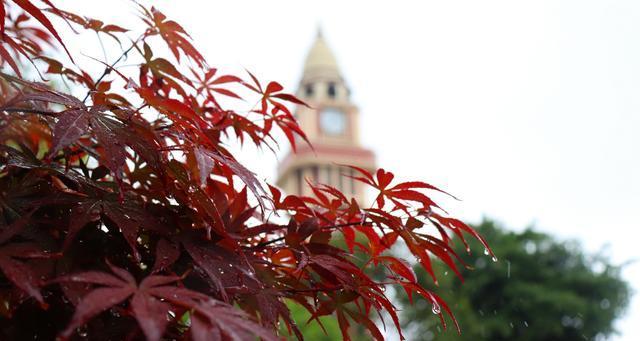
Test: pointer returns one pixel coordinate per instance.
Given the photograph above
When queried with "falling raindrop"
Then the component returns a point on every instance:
(530, 247)
(508, 269)
(526, 324)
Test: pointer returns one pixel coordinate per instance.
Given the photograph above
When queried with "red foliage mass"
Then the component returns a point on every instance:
(123, 215)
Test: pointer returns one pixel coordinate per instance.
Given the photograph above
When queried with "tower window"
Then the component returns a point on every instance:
(308, 90)
(331, 90)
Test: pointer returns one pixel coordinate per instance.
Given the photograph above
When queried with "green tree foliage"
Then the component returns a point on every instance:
(540, 289)
(330, 330)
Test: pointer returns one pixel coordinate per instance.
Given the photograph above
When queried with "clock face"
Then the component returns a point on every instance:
(333, 121)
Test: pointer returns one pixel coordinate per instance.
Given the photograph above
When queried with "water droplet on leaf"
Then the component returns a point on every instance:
(435, 308)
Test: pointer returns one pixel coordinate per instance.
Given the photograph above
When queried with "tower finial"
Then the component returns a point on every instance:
(319, 33)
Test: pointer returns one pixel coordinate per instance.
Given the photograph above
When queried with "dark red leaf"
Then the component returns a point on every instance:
(151, 315)
(94, 303)
(205, 164)
(219, 321)
(15, 227)
(419, 184)
(146, 304)
(3, 14)
(38, 15)
(174, 35)
(81, 215)
(227, 79)
(399, 266)
(166, 254)
(7, 57)
(20, 275)
(71, 125)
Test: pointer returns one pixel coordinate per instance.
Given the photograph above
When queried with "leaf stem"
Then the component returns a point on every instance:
(33, 111)
(107, 70)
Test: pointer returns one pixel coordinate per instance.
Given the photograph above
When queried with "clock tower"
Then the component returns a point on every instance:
(331, 124)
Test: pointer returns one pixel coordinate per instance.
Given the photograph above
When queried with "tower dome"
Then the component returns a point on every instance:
(321, 62)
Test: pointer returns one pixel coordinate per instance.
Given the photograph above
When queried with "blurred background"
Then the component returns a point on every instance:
(529, 111)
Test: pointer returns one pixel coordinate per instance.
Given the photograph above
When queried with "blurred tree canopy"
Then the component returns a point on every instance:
(314, 332)
(540, 289)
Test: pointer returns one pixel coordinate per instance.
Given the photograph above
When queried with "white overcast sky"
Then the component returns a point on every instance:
(527, 110)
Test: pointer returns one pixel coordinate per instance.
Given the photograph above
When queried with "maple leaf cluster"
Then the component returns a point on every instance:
(123, 215)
